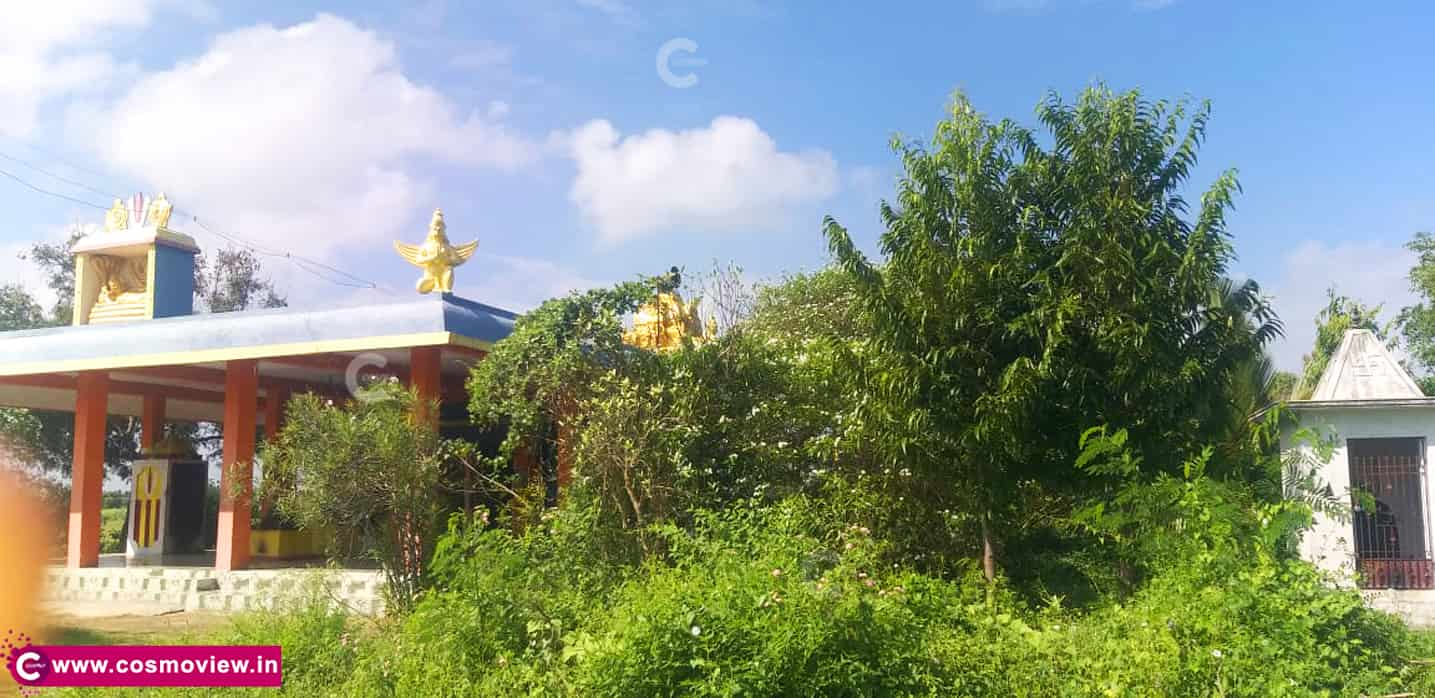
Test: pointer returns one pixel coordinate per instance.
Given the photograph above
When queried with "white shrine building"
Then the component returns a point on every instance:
(1382, 430)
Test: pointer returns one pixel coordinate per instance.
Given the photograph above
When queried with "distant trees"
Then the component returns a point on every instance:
(1417, 322)
(1412, 330)
(1341, 313)
(18, 309)
(233, 280)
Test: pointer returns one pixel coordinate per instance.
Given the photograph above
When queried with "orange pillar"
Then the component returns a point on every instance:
(274, 400)
(236, 480)
(151, 422)
(92, 394)
(425, 380)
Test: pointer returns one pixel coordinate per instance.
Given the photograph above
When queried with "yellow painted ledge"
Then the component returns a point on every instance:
(273, 543)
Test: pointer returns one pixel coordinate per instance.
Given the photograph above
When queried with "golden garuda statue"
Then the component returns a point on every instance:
(663, 323)
(436, 256)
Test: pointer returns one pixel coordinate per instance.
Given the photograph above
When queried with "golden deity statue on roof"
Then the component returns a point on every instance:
(117, 218)
(436, 256)
(663, 323)
(158, 212)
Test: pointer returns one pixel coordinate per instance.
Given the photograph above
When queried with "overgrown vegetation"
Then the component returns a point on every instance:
(369, 471)
(1025, 453)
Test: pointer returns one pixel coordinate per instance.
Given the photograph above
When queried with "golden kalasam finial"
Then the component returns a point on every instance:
(157, 214)
(436, 257)
(117, 218)
(663, 323)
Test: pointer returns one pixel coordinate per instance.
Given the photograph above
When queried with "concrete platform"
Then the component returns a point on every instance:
(1415, 606)
(200, 588)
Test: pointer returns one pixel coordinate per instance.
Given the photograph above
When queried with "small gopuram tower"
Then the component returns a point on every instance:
(137, 269)
(665, 322)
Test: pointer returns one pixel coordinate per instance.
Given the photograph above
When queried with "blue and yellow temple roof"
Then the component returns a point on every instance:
(437, 320)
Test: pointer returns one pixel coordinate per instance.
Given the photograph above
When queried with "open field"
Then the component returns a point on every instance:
(132, 624)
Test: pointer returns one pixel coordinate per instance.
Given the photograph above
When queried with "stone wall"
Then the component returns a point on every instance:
(197, 588)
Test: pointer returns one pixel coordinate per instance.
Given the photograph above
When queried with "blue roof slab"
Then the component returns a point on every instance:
(438, 320)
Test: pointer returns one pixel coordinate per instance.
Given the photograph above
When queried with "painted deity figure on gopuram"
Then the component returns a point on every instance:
(122, 280)
(663, 323)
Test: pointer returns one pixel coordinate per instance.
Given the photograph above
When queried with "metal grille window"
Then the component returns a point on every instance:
(1387, 478)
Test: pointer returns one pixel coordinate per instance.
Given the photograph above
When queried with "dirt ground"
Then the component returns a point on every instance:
(123, 625)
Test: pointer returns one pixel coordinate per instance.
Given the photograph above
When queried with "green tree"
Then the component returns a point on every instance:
(1417, 322)
(1283, 384)
(234, 280)
(1029, 292)
(18, 309)
(1251, 387)
(371, 472)
(1341, 313)
(652, 436)
(57, 263)
(533, 381)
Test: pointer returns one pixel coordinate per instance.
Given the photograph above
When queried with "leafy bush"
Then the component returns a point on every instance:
(874, 485)
(791, 600)
(370, 471)
(320, 643)
(754, 604)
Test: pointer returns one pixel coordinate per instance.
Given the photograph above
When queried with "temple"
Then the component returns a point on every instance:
(1366, 435)
(137, 348)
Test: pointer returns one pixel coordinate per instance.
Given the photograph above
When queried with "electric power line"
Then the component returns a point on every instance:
(310, 266)
(304, 263)
(52, 175)
(47, 192)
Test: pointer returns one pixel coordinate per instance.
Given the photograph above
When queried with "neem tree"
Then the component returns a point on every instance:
(1035, 286)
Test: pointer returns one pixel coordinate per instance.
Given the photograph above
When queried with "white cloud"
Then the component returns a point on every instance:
(48, 49)
(1370, 272)
(728, 176)
(302, 138)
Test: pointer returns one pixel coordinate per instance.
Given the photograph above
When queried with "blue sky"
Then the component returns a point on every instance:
(546, 129)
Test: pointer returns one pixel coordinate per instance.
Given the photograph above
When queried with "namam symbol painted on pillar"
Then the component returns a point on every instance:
(149, 496)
